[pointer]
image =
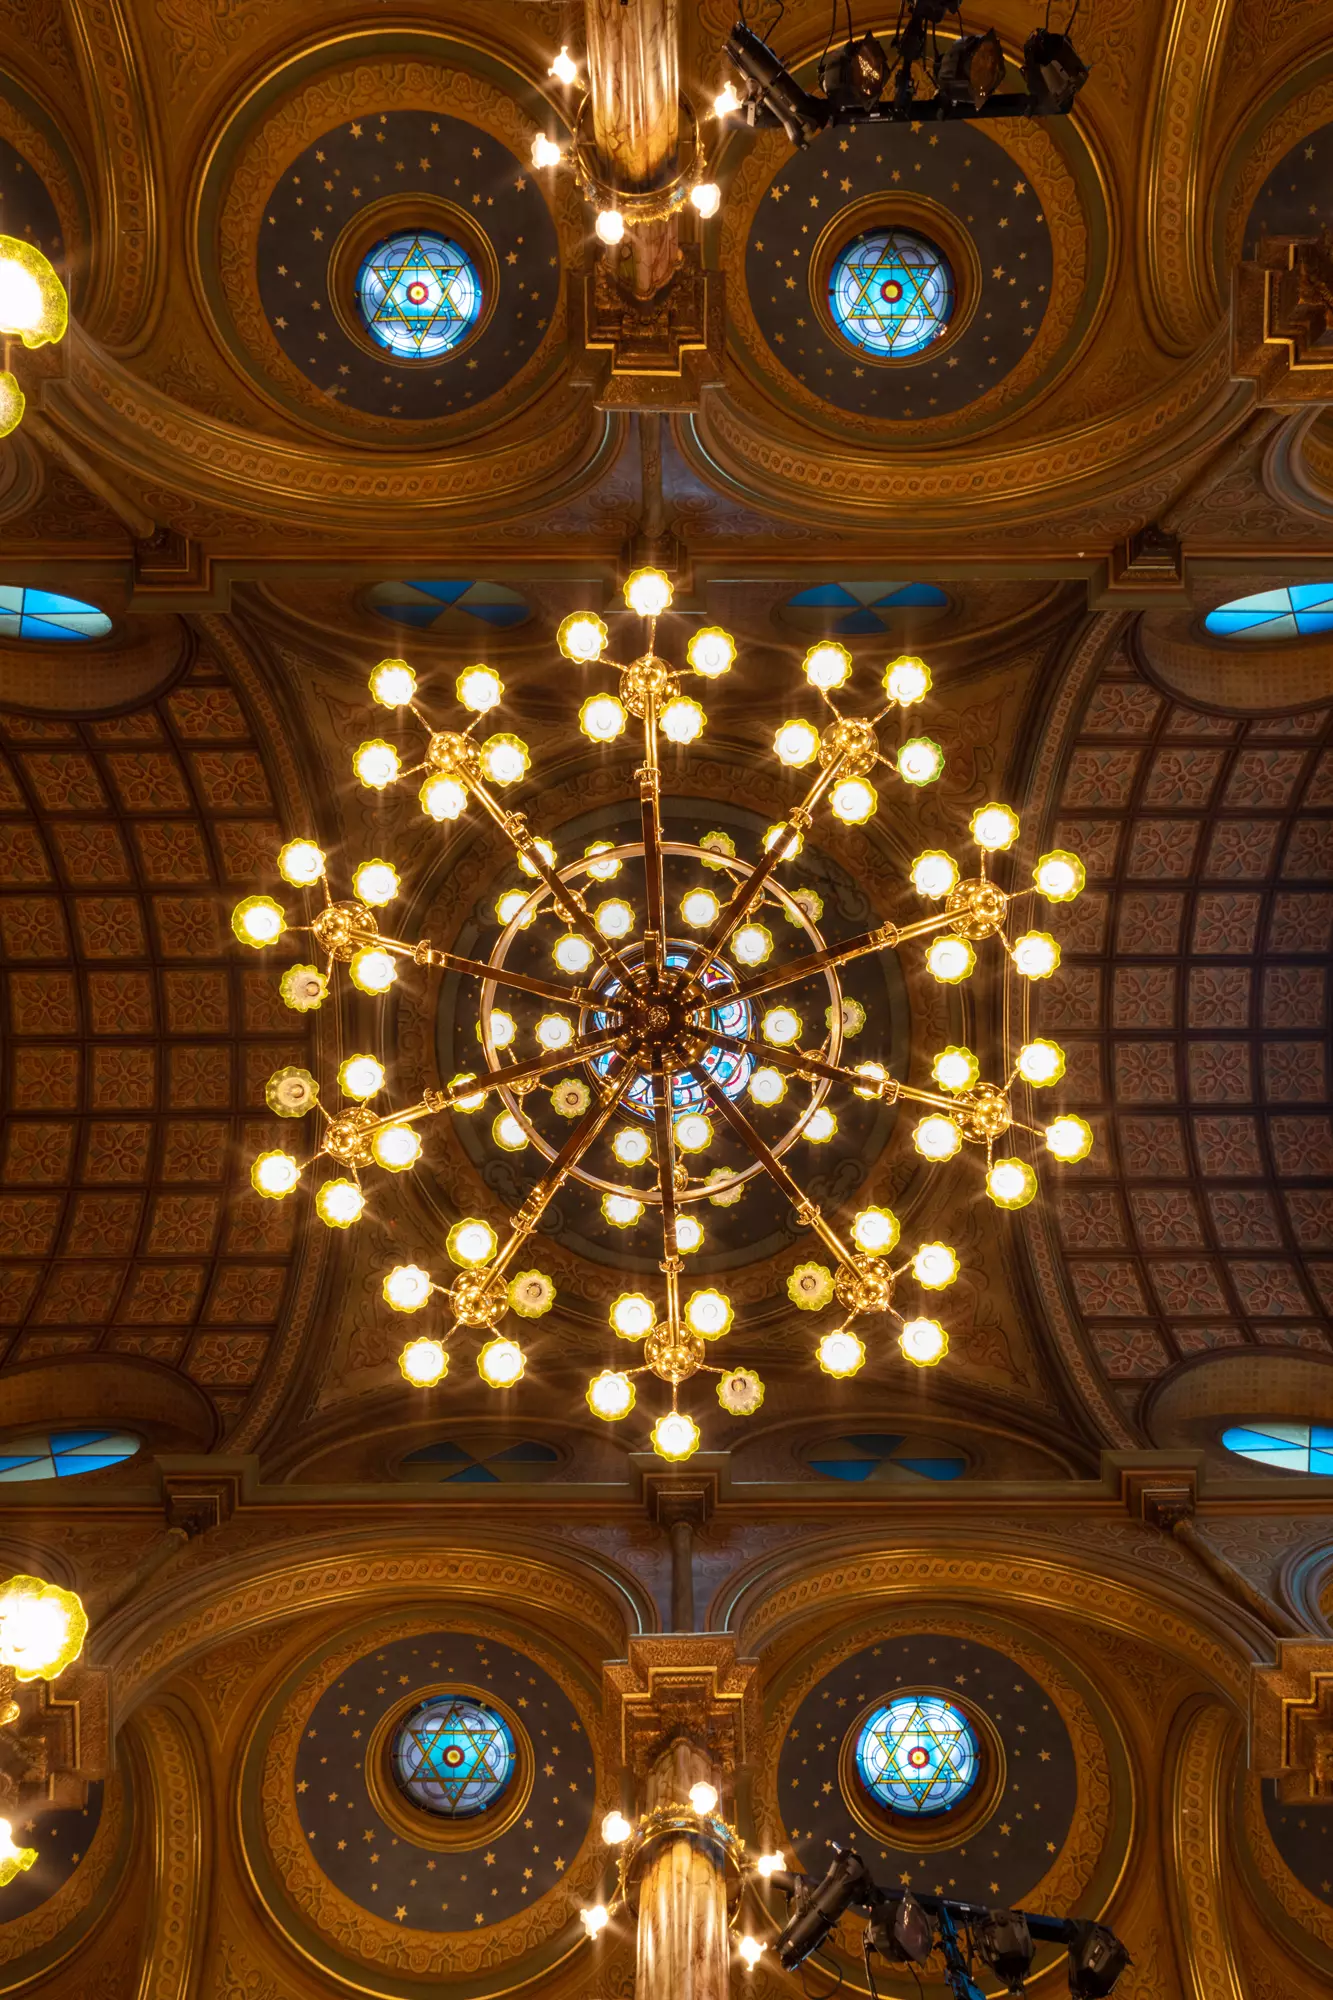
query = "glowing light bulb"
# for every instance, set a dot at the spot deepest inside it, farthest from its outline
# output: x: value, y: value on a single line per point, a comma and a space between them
x: 923, y: 1342
x: 1060, y: 876
x: 768, y: 1864
x: 610, y: 1395
x: 616, y: 1829
x: 631, y: 1146
x: 508, y: 1133
x: 474, y: 1100
x: 648, y: 591
x: 751, y: 1951
x: 503, y: 1028
x: 821, y: 1126
x: 955, y: 1069
x: 703, y: 1799
x: 689, y: 1235
x: 675, y: 1436
x: 509, y: 906
x: 274, y: 1175
x: 406, y: 1288
x: 781, y: 1026
x: 610, y: 225
x: 546, y: 851
x: 751, y: 944
x: 682, y: 720
x: 480, y: 689
x: 726, y: 101
x: 853, y: 801
x: 789, y: 839
x: 711, y: 651
x: 22, y: 305
x: 934, y: 874
x: 572, y: 953
x: 907, y: 679
x: 602, y: 718
x: 563, y: 67
x: 602, y: 871
x: 1041, y: 1062
x: 633, y: 1316
x: 694, y: 1132
x: 827, y: 666
x: 994, y: 827
x: 504, y: 758
x: 339, y: 1204
x: 840, y: 1353
x: 937, y: 1138
x: 14, y: 1860
x: 393, y: 684
x: 796, y: 744
x: 708, y: 1313
x: 920, y: 761
x: 443, y: 798
x: 707, y: 198
x: 360, y: 1077
x: 545, y: 152
x: 699, y: 909
x: 875, y: 1075
x: 595, y: 1919
x: 375, y: 883
x: 258, y: 921
x: 301, y: 863
x: 715, y: 842
x: 622, y: 1211
x: 1010, y: 1183
x: 13, y: 403
x: 1069, y: 1138
x: 934, y: 1266
x: 373, y: 970
x: 376, y: 763
x: 1036, y: 955
x: 423, y: 1363
x: 555, y: 1031
x: 875, y: 1231
x: 614, y: 918
x: 471, y: 1243
x: 42, y: 1628
x: 501, y: 1363
x: 582, y: 637
x: 768, y: 1086
x: 396, y: 1148
x: 950, y: 959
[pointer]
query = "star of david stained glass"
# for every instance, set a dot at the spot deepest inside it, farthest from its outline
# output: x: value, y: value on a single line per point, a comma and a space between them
x: 419, y: 295
x: 453, y: 1756
x: 918, y: 1754
x: 891, y: 293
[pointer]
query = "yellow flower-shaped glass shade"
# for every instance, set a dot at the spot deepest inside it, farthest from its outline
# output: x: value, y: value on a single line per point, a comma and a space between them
x: 12, y: 405
x: 42, y: 1628
x: 33, y: 304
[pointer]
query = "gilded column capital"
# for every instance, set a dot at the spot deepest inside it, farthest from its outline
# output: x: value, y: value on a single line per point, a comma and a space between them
x: 691, y: 1685
x: 1291, y: 1720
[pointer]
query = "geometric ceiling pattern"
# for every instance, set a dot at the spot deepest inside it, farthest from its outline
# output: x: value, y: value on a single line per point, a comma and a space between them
x: 136, y: 1047
x: 1194, y: 1008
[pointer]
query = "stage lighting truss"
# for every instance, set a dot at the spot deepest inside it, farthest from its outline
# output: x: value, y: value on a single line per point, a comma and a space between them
x: 662, y: 982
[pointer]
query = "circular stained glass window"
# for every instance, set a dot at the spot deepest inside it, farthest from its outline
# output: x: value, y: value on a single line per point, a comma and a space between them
x: 419, y: 295
x: 453, y: 1756
x: 917, y: 1754
x: 891, y: 293
x: 1297, y: 611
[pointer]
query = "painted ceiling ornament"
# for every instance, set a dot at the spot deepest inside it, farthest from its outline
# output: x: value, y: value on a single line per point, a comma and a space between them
x: 709, y: 1041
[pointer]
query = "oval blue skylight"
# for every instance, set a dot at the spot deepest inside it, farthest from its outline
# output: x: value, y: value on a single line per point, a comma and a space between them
x: 917, y: 1754
x: 63, y: 1454
x: 41, y: 614
x: 449, y: 604
x: 419, y: 294
x: 1284, y: 1447
x: 849, y: 608
x: 891, y: 293
x: 1296, y: 611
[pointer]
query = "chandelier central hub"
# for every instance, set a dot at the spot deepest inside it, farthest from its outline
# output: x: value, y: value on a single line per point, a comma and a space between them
x: 667, y: 1029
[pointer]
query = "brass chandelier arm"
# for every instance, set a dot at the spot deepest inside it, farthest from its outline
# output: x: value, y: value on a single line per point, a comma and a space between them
x: 452, y: 961
x: 579, y: 1050
x: 747, y: 893
x: 666, y: 1183
x: 650, y: 806
x: 807, y: 1211
x: 884, y: 937
x: 797, y: 1063
x: 567, y: 900
x: 575, y: 1146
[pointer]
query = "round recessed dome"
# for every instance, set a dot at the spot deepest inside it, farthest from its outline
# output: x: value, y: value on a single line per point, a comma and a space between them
x: 42, y: 615
x: 917, y: 1754
x: 891, y: 293
x: 63, y: 1454
x: 419, y: 294
x: 1295, y: 611
x: 1283, y: 1447
x: 454, y: 1756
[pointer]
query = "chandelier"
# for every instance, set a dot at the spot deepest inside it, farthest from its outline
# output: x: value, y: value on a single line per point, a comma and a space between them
x: 678, y: 1016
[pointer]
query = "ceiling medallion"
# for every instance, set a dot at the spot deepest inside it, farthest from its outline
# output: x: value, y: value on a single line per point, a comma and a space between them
x: 674, y: 1015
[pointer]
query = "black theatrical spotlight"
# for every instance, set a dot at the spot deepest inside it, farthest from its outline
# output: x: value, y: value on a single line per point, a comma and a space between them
x: 971, y: 69
x: 1052, y: 69
x: 1005, y: 1943
x: 1096, y: 1960
x: 801, y: 116
x: 818, y: 1910
x: 902, y: 1932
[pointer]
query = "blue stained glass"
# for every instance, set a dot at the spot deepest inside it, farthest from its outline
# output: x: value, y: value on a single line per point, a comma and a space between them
x: 419, y: 294
x: 881, y: 1455
x: 725, y: 1068
x: 1301, y: 610
x: 1287, y: 1447
x: 918, y: 1754
x: 454, y: 1756
x: 63, y: 1454
x: 40, y: 614
x: 891, y: 293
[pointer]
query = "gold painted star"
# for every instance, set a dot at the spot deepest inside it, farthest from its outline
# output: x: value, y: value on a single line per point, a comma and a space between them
x: 356, y: 131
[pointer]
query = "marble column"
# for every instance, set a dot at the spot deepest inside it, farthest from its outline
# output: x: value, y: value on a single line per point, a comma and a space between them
x: 634, y: 80
x: 684, y: 1951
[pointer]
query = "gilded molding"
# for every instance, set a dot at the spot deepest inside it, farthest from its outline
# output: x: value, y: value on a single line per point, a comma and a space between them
x: 1174, y: 226
x: 171, y: 1965
x: 28, y: 138
x: 128, y: 276
x: 1292, y: 120
x: 1198, y: 1792
x: 1291, y: 1894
